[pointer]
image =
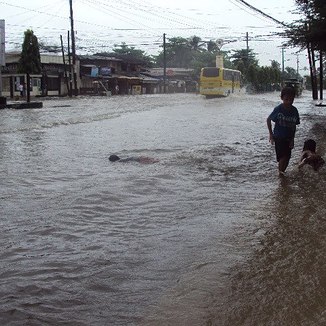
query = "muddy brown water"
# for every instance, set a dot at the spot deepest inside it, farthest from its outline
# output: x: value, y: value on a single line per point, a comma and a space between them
x: 209, y: 235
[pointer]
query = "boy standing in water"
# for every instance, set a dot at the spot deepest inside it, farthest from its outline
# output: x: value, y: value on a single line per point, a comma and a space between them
x: 286, y: 118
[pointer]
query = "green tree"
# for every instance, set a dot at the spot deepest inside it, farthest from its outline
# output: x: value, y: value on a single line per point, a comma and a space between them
x: 136, y: 54
x: 309, y: 33
x: 30, y: 59
x: 312, y: 28
x: 245, y: 57
x: 212, y: 47
x: 196, y: 44
x: 130, y: 53
x: 251, y: 80
x: 124, y: 49
x: 290, y: 72
x: 243, y: 60
x: 208, y: 59
x: 263, y: 79
x: 191, y: 53
x: 178, y: 53
x: 276, y: 65
x: 202, y: 59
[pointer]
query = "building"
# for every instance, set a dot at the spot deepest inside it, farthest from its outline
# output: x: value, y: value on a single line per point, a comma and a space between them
x: 114, y: 74
x: 109, y: 74
x: 53, y: 80
x: 178, y: 80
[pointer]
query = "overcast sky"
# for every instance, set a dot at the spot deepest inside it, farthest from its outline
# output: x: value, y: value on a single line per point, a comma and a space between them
x: 100, y: 24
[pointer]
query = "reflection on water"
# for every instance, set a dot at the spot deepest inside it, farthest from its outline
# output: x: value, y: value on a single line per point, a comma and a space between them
x: 283, y: 283
x: 208, y: 236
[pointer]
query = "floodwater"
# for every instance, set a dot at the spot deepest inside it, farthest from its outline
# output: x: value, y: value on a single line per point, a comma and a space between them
x: 209, y: 235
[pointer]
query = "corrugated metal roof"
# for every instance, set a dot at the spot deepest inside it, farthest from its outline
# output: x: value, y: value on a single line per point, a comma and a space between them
x: 98, y: 57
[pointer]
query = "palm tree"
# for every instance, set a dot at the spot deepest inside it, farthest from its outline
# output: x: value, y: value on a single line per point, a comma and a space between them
x: 212, y: 46
x: 196, y: 44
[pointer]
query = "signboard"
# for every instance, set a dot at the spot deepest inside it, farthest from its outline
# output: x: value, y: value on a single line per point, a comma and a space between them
x: 105, y: 71
x: 2, y: 43
x: 94, y: 72
x: 219, y: 61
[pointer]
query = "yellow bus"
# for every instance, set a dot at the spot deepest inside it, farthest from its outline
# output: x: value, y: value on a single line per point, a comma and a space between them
x: 217, y: 82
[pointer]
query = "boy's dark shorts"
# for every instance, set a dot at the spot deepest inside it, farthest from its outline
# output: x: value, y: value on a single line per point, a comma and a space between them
x: 282, y: 148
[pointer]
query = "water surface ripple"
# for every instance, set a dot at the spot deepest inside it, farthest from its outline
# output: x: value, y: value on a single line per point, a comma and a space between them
x: 209, y: 235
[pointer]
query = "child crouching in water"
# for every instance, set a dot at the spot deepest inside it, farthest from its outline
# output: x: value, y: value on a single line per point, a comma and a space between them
x: 310, y: 157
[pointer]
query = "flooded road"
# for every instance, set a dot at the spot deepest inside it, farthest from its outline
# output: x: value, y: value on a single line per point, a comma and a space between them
x: 209, y: 235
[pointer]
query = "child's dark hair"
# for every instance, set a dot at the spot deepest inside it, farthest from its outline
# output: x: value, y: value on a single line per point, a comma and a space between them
x: 309, y: 145
x: 114, y: 158
x: 288, y: 90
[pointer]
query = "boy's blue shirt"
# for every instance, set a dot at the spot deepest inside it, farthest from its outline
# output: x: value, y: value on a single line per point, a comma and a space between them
x: 285, y: 121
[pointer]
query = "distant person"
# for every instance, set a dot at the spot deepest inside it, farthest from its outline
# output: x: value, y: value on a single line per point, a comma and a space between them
x: 21, y: 89
x: 139, y: 159
x: 285, y: 117
x: 309, y: 155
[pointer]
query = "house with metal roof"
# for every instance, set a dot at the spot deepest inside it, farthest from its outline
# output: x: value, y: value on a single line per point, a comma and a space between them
x: 54, y: 79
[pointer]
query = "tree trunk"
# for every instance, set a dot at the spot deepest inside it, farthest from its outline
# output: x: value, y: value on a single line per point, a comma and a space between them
x: 312, y: 71
x: 321, y: 79
x: 313, y: 75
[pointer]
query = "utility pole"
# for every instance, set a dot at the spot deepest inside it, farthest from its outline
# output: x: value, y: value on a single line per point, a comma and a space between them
x: 64, y: 65
x: 70, y: 68
x: 164, y: 64
x: 2, y: 51
x: 321, y: 79
x: 73, y: 48
x: 298, y: 65
x: 282, y: 67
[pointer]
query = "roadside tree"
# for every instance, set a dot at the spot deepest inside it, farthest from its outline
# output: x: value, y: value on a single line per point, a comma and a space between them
x: 30, y: 60
x: 244, y: 60
x: 310, y: 33
x: 124, y: 50
x: 191, y: 52
x: 130, y: 53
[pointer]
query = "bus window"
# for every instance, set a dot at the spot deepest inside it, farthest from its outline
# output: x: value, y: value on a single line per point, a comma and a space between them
x: 228, y: 75
x: 210, y: 72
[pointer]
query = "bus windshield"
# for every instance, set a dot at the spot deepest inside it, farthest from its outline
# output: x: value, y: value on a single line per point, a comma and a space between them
x: 210, y: 72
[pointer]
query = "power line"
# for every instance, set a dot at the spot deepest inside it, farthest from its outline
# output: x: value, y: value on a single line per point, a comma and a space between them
x: 90, y: 34
x: 261, y: 12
